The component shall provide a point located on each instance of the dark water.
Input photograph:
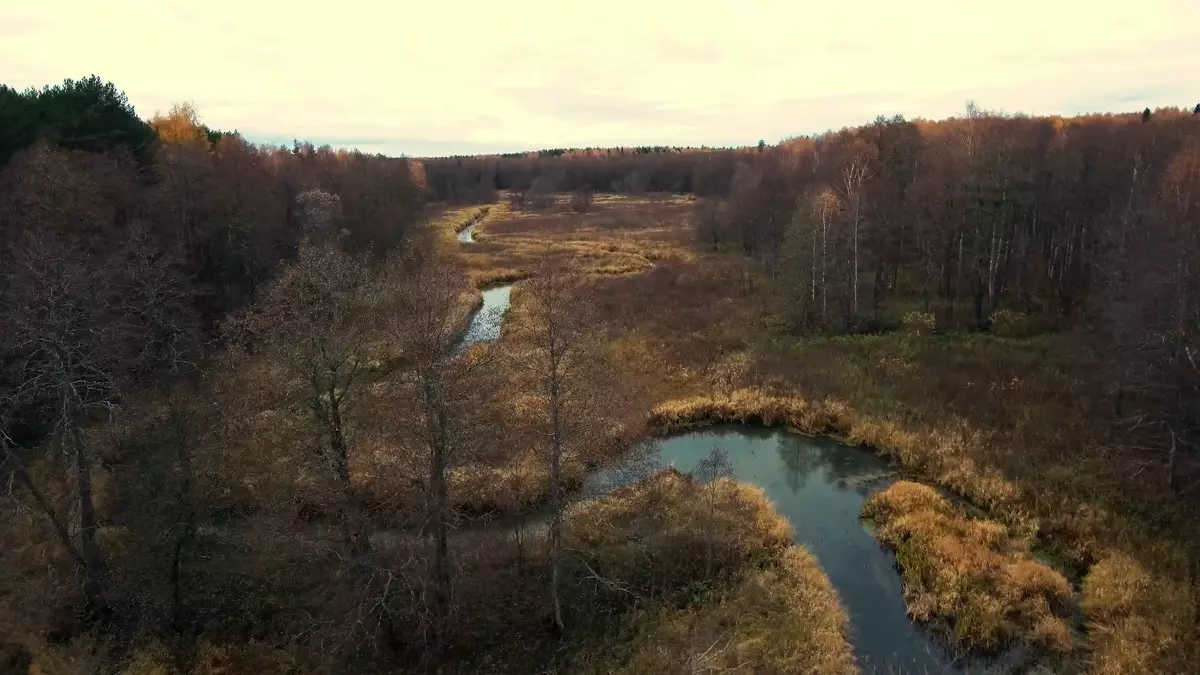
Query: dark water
(819, 485)
(467, 235)
(486, 321)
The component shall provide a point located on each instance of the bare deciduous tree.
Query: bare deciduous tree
(441, 388)
(315, 320)
(712, 469)
(561, 356)
(854, 175)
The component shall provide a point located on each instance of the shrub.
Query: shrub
(581, 200)
(1010, 324)
(919, 323)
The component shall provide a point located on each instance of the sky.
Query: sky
(464, 77)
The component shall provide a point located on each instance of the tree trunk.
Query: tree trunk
(439, 516)
(60, 527)
(556, 450)
(88, 550)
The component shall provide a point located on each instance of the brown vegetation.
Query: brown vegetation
(973, 575)
(177, 511)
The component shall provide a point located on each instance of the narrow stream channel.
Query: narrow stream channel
(466, 235)
(486, 321)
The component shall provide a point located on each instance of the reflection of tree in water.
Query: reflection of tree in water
(802, 456)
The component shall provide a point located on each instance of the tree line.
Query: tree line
(703, 171)
(997, 222)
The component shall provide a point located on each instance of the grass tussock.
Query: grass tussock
(973, 577)
(749, 406)
(669, 527)
(781, 618)
(730, 591)
(1139, 621)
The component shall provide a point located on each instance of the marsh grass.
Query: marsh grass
(1139, 622)
(766, 606)
(974, 577)
(780, 618)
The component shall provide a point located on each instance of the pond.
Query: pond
(820, 485)
(467, 235)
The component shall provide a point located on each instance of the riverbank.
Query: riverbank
(1004, 423)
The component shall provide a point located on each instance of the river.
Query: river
(486, 321)
(819, 486)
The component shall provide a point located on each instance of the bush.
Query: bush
(581, 200)
(1010, 324)
(919, 323)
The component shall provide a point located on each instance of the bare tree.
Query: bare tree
(560, 340)
(316, 320)
(74, 337)
(441, 388)
(320, 212)
(712, 469)
(581, 199)
(854, 175)
(827, 205)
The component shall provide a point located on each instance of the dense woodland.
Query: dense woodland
(702, 171)
(1006, 223)
(198, 333)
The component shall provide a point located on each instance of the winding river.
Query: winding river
(819, 485)
(486, 321)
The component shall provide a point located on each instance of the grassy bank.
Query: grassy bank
(973, 577)
(731, 592)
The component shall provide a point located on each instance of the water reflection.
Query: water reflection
(819, 485)
(486, 321)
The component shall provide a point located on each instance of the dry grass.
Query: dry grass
(1140, 622)
(449, 221)
(618, 236)
(657, 531)
(782, 618)
(762, 605)
(210, 659)
(972, 576)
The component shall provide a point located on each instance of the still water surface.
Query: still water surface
(486, 321)
(820, 485)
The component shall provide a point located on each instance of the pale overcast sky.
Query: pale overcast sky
(427, 78)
